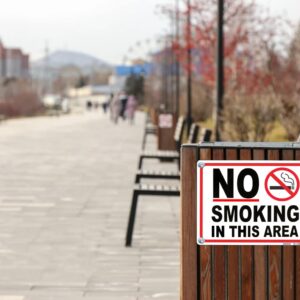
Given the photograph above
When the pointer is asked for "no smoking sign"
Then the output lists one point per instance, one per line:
(248, 202)
(282, 184)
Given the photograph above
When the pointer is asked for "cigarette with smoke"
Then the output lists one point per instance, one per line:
(287, 179)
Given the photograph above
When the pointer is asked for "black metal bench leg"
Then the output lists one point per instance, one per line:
(140, 162)
(131, 219)
(144, 140)
(137, 178)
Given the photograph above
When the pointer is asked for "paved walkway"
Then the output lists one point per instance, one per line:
(65, 192)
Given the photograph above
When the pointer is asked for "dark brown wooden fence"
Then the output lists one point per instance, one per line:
(233, 272)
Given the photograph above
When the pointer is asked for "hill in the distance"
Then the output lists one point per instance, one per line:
(62, 58)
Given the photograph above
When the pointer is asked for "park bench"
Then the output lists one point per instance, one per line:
(194, 137)
(158, 190)
(164, 154)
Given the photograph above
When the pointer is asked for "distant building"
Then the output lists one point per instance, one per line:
(13, 63)
(94, 93)
(138, 67)
(2, 60)
(91, 90)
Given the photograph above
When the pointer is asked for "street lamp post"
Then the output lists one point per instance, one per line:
(177, 70)
(189, 71)
(165, 91)
(220, 73)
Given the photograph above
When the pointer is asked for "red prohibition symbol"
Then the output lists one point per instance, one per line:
(285, 180)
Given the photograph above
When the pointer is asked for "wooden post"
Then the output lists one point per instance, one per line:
(177, 66)
(233, 272)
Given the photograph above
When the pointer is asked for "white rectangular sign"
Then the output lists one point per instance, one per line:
(165, 121)
(248, 202)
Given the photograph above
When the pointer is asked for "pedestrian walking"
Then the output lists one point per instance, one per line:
(89, 105)
(123, 101)
(115, 108)
(106, 103)
(131, 108)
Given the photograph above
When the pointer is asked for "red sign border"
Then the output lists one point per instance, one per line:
(261, 241)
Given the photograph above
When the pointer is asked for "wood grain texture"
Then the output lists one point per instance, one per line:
(274, 272)
(260, 272)
(288, 280)
(233, 272)
(233, 253)
(165, 136)
(247, 272)
(205, 252)
(288, 272)
(260, 254)
(274, 253)
(246, 252)
(297, 272)
(189, 280)
(219, 253)
(297, 255)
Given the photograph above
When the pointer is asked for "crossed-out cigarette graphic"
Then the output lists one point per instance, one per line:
(287, 179)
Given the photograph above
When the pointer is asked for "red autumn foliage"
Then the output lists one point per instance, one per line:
(250, 34)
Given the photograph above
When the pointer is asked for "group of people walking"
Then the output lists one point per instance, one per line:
(121, 106)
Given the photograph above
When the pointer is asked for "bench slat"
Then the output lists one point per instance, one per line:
(157, 188)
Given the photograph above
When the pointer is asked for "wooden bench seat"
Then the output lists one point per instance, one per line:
(170, 155)
(160, 153)
(155, 174)
(196, 135)
(151, 189)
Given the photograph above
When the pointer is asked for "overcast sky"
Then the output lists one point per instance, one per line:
(104, 28)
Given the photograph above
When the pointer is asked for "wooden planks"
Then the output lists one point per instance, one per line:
(247, 252)
(234, 272)
(260, 254)
(288, 283)
(205, 252)
(233, 252)
(297, 254)
(274, 253)
(219, 258)
(189, 281)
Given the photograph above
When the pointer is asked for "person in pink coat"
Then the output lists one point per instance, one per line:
(115, 107)
(131, 108)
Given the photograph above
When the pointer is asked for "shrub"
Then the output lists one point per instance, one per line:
(250, 117)
(19, 99)
(290, 115)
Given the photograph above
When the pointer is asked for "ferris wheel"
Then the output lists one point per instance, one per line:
(142, 50)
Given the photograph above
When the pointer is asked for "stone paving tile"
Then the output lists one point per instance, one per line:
(65, 192)
(11, 297)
